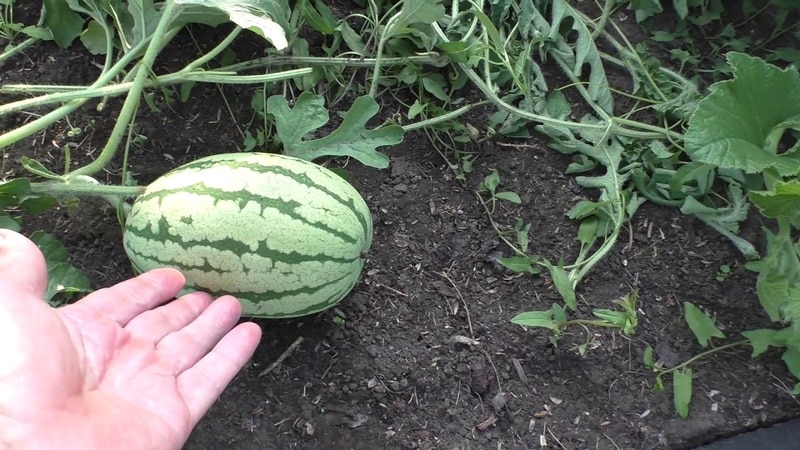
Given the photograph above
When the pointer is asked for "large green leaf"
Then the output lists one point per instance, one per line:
(351, 138)
(738, 125)
(64, 23)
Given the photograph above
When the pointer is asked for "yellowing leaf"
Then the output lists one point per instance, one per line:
(261, 25)
(263, 17)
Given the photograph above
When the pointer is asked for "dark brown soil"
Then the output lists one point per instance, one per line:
(396, 372)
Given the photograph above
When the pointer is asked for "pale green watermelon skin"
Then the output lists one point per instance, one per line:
(283, 235)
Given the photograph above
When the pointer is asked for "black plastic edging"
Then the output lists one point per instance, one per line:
(781, 436)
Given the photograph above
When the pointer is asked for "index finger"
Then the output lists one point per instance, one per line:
(124, 301)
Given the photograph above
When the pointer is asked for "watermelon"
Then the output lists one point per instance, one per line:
(284, 235)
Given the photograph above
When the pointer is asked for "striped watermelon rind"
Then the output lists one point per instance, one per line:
(283, 235)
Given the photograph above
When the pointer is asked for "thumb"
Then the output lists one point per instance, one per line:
(22, 263)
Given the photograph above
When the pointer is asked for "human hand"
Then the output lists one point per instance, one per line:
(117, 369)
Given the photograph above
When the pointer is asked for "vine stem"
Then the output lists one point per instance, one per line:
(388, 29)
(441, 118)
(595, 323)
(48, 119)
(211, 76)
(83, 186)
(702, 355)
(432, 58)
(496, 228)
(134, 95)
(645, 131)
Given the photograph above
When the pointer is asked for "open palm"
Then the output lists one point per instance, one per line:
(118, 369)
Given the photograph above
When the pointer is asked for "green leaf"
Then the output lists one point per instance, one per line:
(740, 122)
(522, 231)
(62, 278)
(773, 294)
(418, 11)
(456, 51)
(415, 109)
(726, 219)
(508, 196)
(791, 357)
(351, 38)
(351, 138)
(94, 38)
(8, 223)
(783, 200)
(320, 17)
(541, 319)
(434, 84)
(649, 361)
(582, 54)
(38, 168)
(582, 165)
(587, 208)
(64, 23)
(701, 325)
(700, 173)
(33, 31)
(145, 20)
(491, 181)
(587, 231)
(16, 187)
(682, 391)
(658, 385)
(615, 318)
(523, 264)
(557, 105)
(36, 204)
(778, 282)
(645, 9)
(563, 284)
(681, 8)
(764, 338)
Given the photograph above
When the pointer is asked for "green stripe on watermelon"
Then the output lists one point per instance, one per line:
(282, 234)
(242, 198)
(313, 176)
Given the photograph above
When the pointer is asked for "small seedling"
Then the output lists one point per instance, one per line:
(723, 273)
(704, 330)
(623, 318)
(489, 185)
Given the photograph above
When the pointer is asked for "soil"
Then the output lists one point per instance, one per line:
(422, 355)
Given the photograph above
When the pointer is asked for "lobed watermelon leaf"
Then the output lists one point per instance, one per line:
(351, 138)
